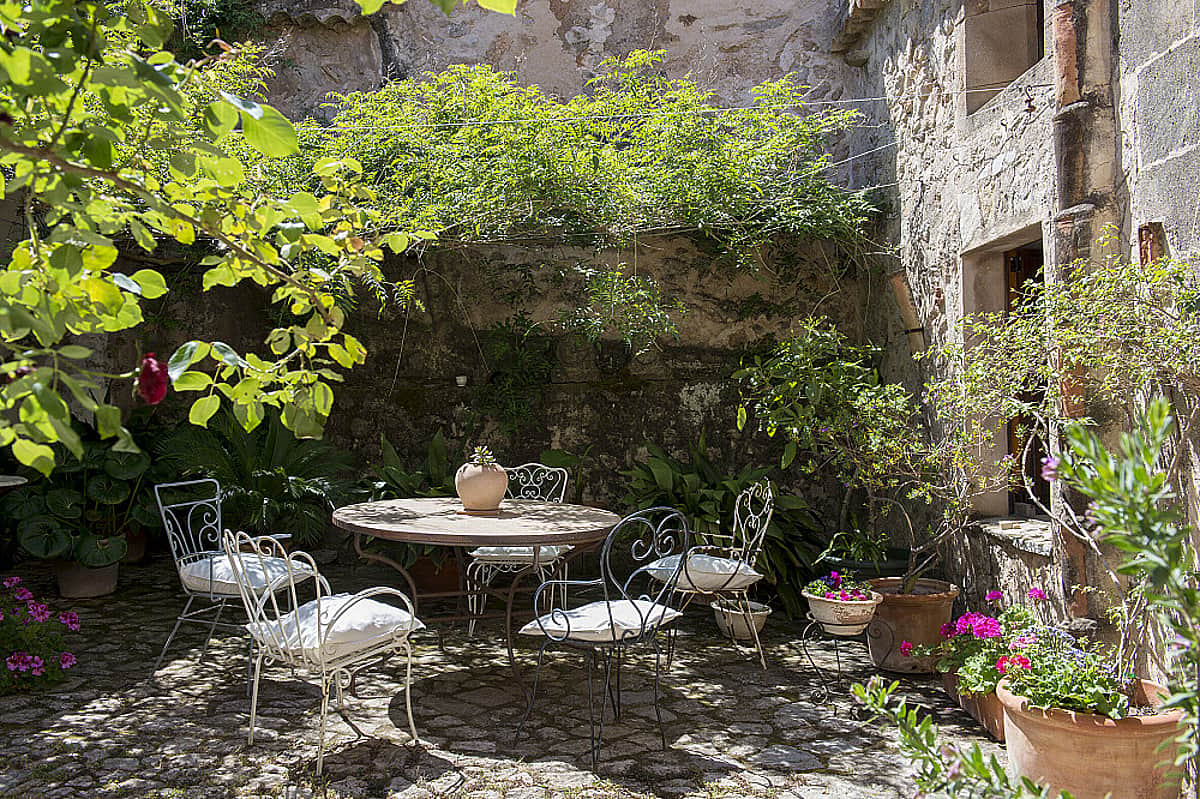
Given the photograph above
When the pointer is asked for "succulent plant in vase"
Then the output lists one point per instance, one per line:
(481, 483)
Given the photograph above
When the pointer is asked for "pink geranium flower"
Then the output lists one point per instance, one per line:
(38, 612)
(906, 648)
(66, 660)
(69, 619)
(1007, 662)
(1037, 593)
(22, 594)
(994, 596)
(947, 630)
(11, 582)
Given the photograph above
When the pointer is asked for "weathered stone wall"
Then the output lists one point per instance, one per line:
(320, 46)
(600, 396)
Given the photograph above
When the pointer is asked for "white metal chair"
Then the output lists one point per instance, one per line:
(631, 611)
(331, 637)
(721, 565)
(191, 515)
(527, 481)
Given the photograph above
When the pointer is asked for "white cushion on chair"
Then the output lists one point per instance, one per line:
(705, 573)
(365, 624)
(215, 573)
(546, 555)
(591, 622)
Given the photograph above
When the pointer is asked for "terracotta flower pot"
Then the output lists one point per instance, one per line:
(434, 578)
(916, 617)
(481, 487)
(984, 708)
(80, 582)
(840, 616)
(1093, 756)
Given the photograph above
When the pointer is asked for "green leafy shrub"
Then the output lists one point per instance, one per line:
(84, 509)
(393, 479)
(271, 481)
(706, 496)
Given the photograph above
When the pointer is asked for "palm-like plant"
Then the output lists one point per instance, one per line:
(271, 481)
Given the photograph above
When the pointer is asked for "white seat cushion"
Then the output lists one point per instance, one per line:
(367, 623)
(705, 573)
(215, 573)
(591, 622)
(546, 555)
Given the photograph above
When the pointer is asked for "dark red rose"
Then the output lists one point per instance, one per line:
(153, 381)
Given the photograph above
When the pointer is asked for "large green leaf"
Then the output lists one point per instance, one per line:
(107, 490)
(96, 551)
(44, 538)
(65, 503)
(271, 133)
(126, 465)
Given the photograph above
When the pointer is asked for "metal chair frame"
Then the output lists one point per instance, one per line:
(528, 481)
(335, 672)
(194, 534)
(655, 533)
(752, 513)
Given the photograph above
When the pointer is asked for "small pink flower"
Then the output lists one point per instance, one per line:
(22, 594)
(1037, 593)
(38, 612)
(69, 619)
(1022, 641)
(947, 630)
(18, 661)
(987, 627)
(835, 579)
(1050, 468)
(66, 660)
(37, 666)
(994, 596)
(11, 582)
(906, 648)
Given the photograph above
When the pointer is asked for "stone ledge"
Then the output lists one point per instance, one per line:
(1028, 535)
(854, 17)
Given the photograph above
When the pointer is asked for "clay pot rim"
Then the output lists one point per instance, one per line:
(875, 599)
(883, 584)
(1080, 721)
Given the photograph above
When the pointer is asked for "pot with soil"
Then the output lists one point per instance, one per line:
(984, 708)
(1093, 756)
(916, 616)
(76, 581)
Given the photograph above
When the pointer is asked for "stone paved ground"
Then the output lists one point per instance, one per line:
(733, 730)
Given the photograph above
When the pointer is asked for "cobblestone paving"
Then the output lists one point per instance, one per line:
(733, 730)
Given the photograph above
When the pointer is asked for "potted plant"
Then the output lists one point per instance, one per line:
(481, 483)
(31, 639)
(841, 420)
(842, 605)
(974, 654)
(1068, 708)
(80, 515)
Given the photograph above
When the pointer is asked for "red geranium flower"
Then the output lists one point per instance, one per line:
(153, 380)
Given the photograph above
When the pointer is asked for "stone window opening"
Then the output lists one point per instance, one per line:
(1004, 38)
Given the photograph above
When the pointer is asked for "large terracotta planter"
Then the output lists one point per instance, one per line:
(984, 708)
(434, 578)
(916, 617)
(80, 582)
(1093, 756)
(842, 617)
(481, 487)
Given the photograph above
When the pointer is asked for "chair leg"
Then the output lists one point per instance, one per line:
(211, 628)
(592, 709)
(175, 629)
(412, 725)
(258, 664)
(657, 713)
(537, 671)
(324, 714)
(608, 661)
(744, 602)
(479, 577)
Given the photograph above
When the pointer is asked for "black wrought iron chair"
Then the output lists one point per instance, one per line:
(625, 615)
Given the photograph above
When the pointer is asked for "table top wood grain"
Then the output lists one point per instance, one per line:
(441, 522)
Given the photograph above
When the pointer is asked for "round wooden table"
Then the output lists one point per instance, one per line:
(439, 521)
